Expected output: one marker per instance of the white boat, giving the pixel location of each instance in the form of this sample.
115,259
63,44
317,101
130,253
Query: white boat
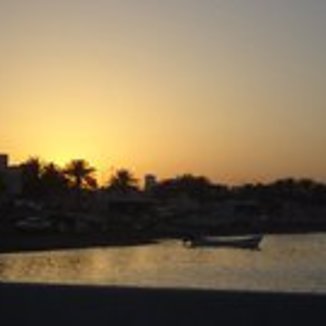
243,242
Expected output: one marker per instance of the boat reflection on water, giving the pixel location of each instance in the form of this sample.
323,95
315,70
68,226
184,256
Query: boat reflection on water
242,242
286,263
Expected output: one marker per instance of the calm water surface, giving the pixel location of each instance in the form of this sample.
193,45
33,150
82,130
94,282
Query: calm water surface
286,263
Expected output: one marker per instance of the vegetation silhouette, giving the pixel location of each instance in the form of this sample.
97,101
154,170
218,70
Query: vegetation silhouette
68,201
80,174
123,181
53,179
31,178
197,188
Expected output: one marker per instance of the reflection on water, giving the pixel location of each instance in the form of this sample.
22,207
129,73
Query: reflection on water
286,263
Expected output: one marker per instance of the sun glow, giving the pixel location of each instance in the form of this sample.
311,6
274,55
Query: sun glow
165,88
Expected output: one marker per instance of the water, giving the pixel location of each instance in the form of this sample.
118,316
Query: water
287,263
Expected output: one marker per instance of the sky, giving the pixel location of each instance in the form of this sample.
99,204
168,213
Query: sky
230,89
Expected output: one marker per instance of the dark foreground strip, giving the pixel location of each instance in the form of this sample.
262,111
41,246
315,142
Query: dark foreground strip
30,305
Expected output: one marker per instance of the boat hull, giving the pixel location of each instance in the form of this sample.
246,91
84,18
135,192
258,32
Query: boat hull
251,242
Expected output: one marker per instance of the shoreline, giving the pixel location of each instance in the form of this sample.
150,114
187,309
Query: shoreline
15,242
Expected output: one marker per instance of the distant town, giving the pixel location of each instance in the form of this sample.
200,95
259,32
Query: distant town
42,203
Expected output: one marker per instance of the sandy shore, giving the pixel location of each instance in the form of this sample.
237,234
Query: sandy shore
22,304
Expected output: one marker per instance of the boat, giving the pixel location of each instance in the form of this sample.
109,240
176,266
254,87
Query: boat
241,242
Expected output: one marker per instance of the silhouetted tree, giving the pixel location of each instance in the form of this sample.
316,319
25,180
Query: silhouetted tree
195,187
53,180
123,181
31,178
80,173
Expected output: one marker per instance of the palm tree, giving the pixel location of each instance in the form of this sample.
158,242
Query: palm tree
80,174
53,179
31,174
123,180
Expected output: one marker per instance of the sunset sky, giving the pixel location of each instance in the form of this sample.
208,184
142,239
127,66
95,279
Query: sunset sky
231,89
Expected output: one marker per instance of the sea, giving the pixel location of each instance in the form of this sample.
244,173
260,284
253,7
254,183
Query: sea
285,263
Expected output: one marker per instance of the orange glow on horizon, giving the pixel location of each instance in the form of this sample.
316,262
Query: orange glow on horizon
224,89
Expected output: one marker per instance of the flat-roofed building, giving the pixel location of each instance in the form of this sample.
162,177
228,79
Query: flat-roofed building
3,162
10,176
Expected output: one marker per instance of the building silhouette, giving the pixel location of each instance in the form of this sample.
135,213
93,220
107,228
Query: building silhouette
150,182
11,176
